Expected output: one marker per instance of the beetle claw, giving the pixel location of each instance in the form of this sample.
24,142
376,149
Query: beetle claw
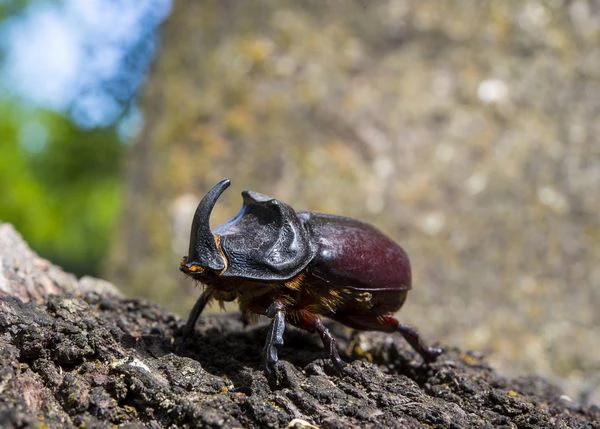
270,371
340,365
430,354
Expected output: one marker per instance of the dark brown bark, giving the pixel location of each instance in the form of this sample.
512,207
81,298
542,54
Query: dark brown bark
96,360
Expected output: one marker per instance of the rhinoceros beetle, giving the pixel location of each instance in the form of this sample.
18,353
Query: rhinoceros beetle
296,266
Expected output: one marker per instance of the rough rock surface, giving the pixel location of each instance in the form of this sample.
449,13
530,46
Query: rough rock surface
93,359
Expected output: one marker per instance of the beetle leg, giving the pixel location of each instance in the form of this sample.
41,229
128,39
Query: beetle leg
245,318
310,322
330,344
410,334
195,313
389,323
274,336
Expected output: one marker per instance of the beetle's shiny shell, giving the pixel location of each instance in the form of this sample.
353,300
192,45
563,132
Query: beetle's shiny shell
360,260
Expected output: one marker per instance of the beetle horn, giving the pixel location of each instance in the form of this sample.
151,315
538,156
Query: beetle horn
203,247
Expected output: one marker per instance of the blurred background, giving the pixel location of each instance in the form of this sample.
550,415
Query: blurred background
467,130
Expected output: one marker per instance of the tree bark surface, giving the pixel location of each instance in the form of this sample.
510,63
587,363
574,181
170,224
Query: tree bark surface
83,356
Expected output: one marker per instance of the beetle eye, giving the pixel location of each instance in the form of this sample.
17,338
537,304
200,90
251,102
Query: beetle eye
195,268
190,267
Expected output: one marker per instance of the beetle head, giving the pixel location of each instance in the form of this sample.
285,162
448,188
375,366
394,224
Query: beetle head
204,254
265,241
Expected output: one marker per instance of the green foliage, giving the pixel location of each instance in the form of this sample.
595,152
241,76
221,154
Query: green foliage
60,186
12,7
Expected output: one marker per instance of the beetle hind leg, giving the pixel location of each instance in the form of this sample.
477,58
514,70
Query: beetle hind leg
389,323
410,334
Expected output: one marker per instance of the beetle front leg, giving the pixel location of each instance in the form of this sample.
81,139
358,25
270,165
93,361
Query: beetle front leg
196,311
274,336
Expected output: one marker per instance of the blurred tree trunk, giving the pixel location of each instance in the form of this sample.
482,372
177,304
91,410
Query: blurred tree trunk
466,130
240,90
